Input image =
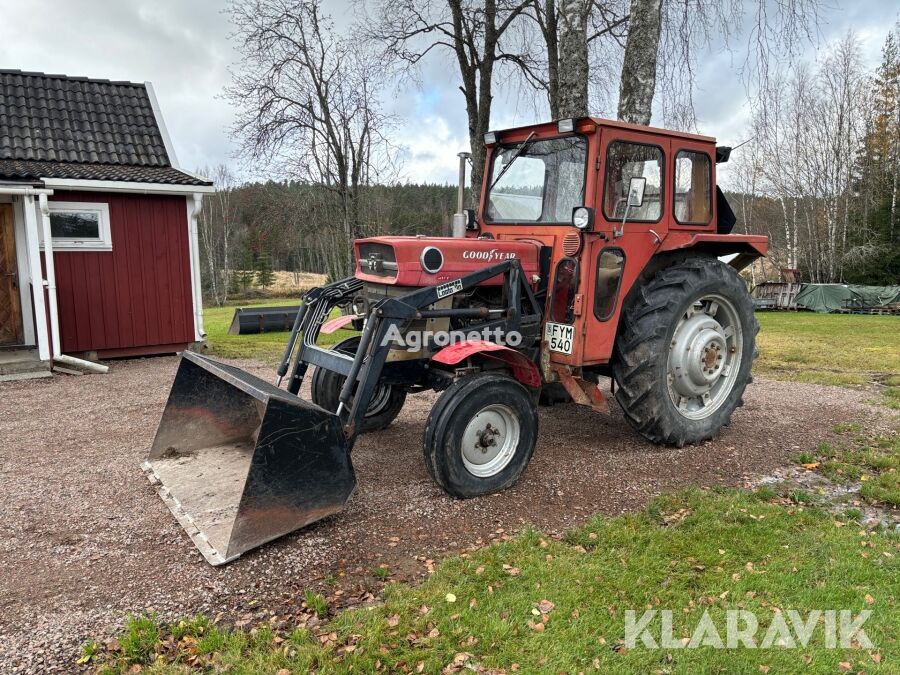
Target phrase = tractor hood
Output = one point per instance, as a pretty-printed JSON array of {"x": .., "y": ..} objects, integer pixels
[{"x": 425, "y": 261}]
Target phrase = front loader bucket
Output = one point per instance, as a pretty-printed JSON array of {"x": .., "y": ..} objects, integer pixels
[{"x": 240, "y": 462}]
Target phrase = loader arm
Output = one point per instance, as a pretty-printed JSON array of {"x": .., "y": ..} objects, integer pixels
[{"x": 522, "y": 314}]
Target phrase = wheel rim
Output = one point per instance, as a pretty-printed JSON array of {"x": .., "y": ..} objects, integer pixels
[
  {"x": 704, "y": 356},
  {"x": 381, "y": 397},
  {"x": 490, "y": 440}
]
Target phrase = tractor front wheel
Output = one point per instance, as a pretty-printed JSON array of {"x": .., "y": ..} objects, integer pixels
[
  {"x": 386, "y": 403},
  {"x": 480, "y": 435},
  {"x": 684, "y": 351}
]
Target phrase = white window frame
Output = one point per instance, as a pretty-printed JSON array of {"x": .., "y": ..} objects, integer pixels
[{"x": 102, "y": 243}]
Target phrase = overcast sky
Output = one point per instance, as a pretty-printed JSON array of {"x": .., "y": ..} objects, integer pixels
[{"x": 183, "y": 48}]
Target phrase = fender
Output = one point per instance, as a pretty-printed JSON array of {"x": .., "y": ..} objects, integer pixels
[
  {"x": 748, "y": 247},
  {"x": 523, "y": 369}
]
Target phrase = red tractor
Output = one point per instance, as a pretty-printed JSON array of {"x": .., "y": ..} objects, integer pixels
[{"x": 596, "y": 253}]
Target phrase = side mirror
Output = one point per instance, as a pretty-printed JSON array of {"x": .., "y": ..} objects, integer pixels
[
  {"x": 471, "y": 220},
  {"x": 583, "y": 218},
  {"x": 636, "y": 187},
  {"x": 636, "y": 191}
]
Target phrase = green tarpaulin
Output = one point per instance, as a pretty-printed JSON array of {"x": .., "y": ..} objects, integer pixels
[{"x": 826, "y": 298}]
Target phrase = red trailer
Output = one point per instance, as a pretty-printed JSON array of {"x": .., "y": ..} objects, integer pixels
[{"x": 88, "y": 172}]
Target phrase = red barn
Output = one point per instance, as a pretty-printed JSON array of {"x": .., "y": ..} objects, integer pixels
[{"x": 98, "y": 231}]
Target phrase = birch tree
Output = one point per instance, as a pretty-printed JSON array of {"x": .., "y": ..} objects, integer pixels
[{"x": 218, "y": 228}]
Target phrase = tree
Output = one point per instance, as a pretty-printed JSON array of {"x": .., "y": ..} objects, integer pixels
[
  {"x": 468, "y": 30},
  {"x": 217, "y": 225},
  {"x": 265, "y": 276},
  {"x": 638, "y": 81},
  {"x": 308, "y": 102},
  {"x": 666, "y": 36}
]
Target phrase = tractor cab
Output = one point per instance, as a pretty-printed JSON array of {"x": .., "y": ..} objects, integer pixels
[{"x": 604, "y": 197}]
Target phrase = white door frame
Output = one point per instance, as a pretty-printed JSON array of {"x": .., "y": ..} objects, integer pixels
[{"x": 22, "y": 267}]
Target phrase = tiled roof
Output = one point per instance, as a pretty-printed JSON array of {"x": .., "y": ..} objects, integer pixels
[
  {"x": 75, "y": 127},
  {"x": 10, "y": 168}
]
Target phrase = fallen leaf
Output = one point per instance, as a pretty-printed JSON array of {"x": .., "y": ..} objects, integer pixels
[
  {"x": 545, "y": 606},
  {"x": 869, "y": 599},
  {"x": 764, "y": 669},
  {"x": 844, "y": 666},
  {"x": 393, "y": 620},
  {"x": 420, "y": 666},
  {"x": 876, "y": 657},
  {"x": 433, "y": 633},
  {"x": 810, "y": 466},
  {"x": 480, "y": 569}
]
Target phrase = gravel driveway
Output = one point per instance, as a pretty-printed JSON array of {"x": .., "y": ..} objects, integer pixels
[{"x": 84, "y": 539}]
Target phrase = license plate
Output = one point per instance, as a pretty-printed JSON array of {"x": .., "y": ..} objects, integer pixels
[{"x": 560, "y": 337}]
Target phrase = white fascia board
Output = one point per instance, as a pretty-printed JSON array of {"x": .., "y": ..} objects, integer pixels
[
  {"x": 161, "y": 123},
  {"x": 125, "y": 186}
]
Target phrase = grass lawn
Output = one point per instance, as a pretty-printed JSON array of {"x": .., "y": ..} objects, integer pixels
[
  {"x": 843, "y": 349},
  {"x": 265, "y": 347},
  {"x": 537, "y": 604}
]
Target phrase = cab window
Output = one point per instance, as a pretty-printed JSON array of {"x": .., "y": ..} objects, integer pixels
[
  {"x": 539, "y": 182},
  {"x": 693, "y": 187},
  {"x": 625, "y": 161}
]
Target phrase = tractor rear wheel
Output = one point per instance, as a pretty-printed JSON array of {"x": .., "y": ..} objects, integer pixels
[
  {"x": 684, "y": 350},
  {"x": 386, "y": 403},
  {"x": 480, "y": 435}
]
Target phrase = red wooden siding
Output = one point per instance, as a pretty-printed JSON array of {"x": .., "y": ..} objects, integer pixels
[{"x": 137, "y": 296}]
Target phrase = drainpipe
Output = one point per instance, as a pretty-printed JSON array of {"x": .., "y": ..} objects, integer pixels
[
  {"x": 51, "y": 293},
  {"x": 33, "y": 248},
  {"x": 196, "y": 288}
]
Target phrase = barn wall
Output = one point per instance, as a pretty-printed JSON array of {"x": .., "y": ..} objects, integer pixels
[{"x": 135, "y": 299}]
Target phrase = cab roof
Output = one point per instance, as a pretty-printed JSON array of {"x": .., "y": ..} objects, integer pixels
[{"x": 582, "y": 122}]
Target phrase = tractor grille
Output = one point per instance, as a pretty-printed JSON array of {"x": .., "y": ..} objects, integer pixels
[
  {"x": 378, "y": 259},
  {"x": 572, "y": 244}
]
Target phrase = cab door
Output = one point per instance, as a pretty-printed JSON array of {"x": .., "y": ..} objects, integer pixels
[{"x": 626, "y": 236}]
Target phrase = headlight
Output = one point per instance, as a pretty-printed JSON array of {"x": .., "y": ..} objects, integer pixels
[
  {"x": 432, "y": 260},
  {"x": 582, "y": 217}
]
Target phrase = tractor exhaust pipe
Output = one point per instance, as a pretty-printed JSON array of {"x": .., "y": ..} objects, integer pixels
[{"x": 460, "y": 219}]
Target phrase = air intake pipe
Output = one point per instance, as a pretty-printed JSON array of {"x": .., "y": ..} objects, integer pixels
[{"x": 460, "y": 219}]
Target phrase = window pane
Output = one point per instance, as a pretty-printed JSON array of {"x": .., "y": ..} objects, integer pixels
[
  {"x": 543, "y": 184},
  {"x": 519, "y": 193},
  {"x": 625, "y": 161},
  {"x": 693, "y": 196},
  {"x": 75, "y": 224},
  {"x": 609, "y": 275},
  {"x": 564, "y": 291}
]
